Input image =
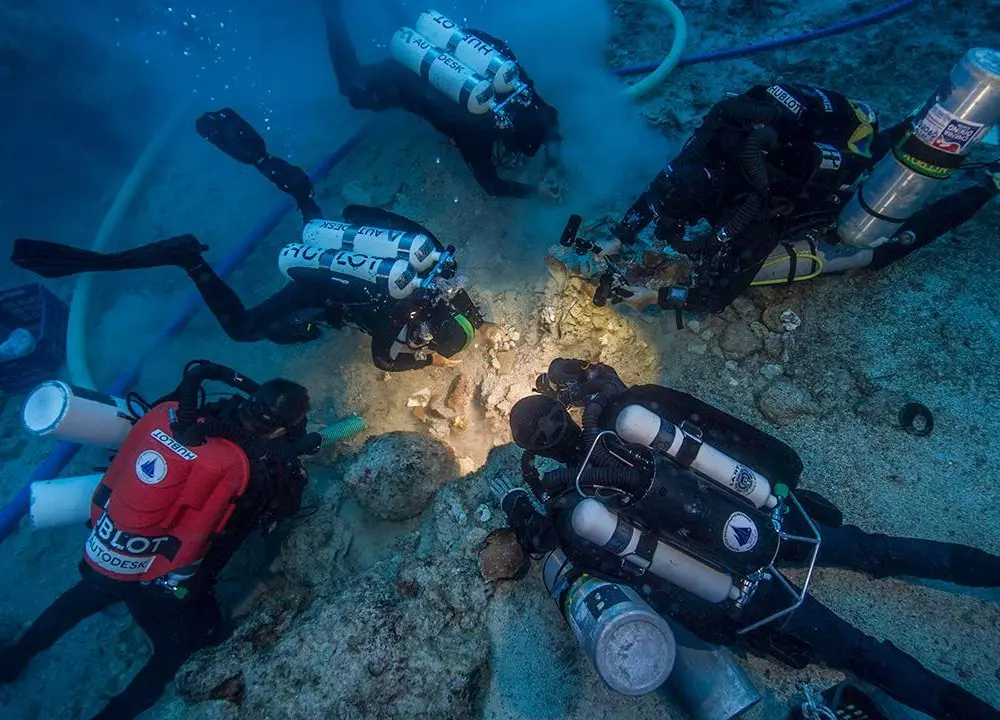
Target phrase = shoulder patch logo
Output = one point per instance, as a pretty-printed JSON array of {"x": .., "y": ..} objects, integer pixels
[
  {"x": 150, "y": 467},
  {"x": 740, "y": 534}
]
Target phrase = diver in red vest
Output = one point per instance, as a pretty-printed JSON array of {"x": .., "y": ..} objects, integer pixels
[{"x": 187, "y": 487}]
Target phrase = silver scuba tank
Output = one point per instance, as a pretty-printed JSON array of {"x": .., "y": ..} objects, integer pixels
[
  {"x": 443, "y": 71},
  {"x": 418, "y": 249},
  {"x": 630, "y": 645},
  {"x": 955, "y": 119},
  {"x": 638, "y": 425},
  {"x": 475, "y": 52},
  {"x": 311, "y": 264},
  {"x": 806, "y": 258}
]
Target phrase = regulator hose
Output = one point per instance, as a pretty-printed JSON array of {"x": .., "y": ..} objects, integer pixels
[{"x": 761, "y": 140}]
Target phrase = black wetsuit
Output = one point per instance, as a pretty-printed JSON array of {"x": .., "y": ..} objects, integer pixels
[
  {"x": 388, "y": 85},
  {"x": 764, "y": 168},
  {"x": 289, "y": 316},
  {"x": 176, "y": 626}
]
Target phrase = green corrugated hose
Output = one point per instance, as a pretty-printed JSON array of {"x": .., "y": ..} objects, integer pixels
[{"x": 343, "y": 429}]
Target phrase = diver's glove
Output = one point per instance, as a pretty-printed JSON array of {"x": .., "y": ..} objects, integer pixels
[{"x": 506, "y": 491}]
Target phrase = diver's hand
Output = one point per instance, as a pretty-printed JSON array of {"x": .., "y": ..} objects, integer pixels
[
  {"x": 609, "y": 247},
  {"x": 641, "y": 297},
  {"x": 504, "y": 489},
  {"x": 549, "y": 189},
  {"x": 442, "y": 361}
]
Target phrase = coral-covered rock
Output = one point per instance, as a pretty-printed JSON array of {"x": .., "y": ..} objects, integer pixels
[{"x": 501, "y": 557}]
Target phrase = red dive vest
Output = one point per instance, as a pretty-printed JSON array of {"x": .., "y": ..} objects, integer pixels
[{"x": 160, "y": 503}]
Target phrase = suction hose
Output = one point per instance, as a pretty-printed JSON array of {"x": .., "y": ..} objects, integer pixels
[
  {"x": 666, "y": 66},
  {"x": 869, "y": 19},
  {"x": 76, "y": 330},
  {"x": 343, "y": 429},
  {"x": 12, "y": 513}
]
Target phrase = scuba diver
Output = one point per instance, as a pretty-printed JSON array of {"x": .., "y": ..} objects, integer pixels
[
  {"x": 668, "y": 507},
  {"x": 381, "y": 273},
  {"x": 797, "y": 181},
  {"x": 465, "y": 83},
  {"x": 188, "y": 485}
]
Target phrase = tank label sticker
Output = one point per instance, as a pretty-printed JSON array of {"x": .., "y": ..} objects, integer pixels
[
  {"x": 150, "y": 467},
  {"x": 740, "y": 534},
  {"x": 126, "y": 553},
  {"x": 743, "y": 480},
  {"x": 174, "y": 446},
  {"x": 945, "y": 131},
  {"x": 785, "y": 98},
  {"x": 598, "y": 598}
]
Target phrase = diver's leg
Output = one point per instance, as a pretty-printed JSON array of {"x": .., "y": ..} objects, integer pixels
[
  {"x": 934, "y": 220},
  {"x": 265, "y": 321},
  {"x": 76, "y": 604},
  {"x": 50, "y": 259},
  {"x": 840, "y": 645},
  {"x": 177, "y": 628},
  {"x": 369, "y": 87},
  {"x": 886, "y": 556}
]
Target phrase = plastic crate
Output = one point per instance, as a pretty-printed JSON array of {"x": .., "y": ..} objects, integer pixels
[{"x": 45, "y": 316}]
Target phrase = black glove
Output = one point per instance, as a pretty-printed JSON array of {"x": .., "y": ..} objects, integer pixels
[
  {"x": 233, "y": 135},
  {"x": 310, "y": 444}
]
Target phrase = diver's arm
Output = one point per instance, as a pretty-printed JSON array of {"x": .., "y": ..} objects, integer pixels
[
  {"x": 477, "y": 156},
  {"x": 535, "y": 532}
]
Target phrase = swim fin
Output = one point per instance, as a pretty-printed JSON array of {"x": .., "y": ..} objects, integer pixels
[
  {"x": 228, "y": 131},
  {"x": 54, "y": 260},
  {"x": 364, "y": 215}
]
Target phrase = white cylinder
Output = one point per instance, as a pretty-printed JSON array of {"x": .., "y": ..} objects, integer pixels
[
  {"x": 418, "y": 249},
  {"x": 831, "y": 259},
  {"x": 308, "y": 263},
  {"x": 594, "y": 522},
  {"x": 636, "y": 424},
  {"x": 455, "y": 79},
  {"x": 74, "y": 414},
  {"x": 62, "y": 501},
  {"x": 483, "y": 57}
]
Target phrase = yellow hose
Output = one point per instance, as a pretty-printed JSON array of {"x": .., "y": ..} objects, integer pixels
[
  {"x": 655, "y": 78},
  {"x": 76, "y": 331},
  {"x": 784, "y": 258}
]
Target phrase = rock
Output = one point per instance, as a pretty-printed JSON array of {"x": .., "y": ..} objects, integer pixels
[
  {"x": 466, "y": 466},
  {"x": 790, "y": 320},
  {"x": 505, "y": 362},
  {"x": 784, "y": 401},
  {"x": 460, "y": 393},
  {"x": 694, "y": 326},
  {"x": 771, "y": 371},
  {"x": 314, "y": 548},
  {"x": 782, "y": 317},
  {"x": 501, "y": 557},
  {"x": 483, "y": 513},
  {"x": 708, "y": 335},
  {"x": 773, "y": 346},
  {"x": 744, "y": 307},
  {"x": 738, "y": 341},
  {"x": 396, "y": 475},
  {"x": 698, "y": 348},
  {"x": 547, "y": 320},
  {"x": 421, "y": 398}
]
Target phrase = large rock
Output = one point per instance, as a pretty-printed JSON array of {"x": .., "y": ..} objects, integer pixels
[
  {"x": 407, "y": 640},
  {"x": 314, "y": 549},
  {"x": 784, "y": 401},
  {"x": 397, "y": 475}
]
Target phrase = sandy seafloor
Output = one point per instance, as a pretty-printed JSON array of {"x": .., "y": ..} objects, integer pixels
[{"x": 926, "y": 330}]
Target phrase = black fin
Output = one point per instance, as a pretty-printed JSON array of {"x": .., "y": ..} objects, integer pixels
[{"x": 53, "y": 260}]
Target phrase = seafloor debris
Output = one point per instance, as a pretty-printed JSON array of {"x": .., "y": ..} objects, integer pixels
[
  {"x": 501, "y": 557},
  {"x": 784, "y": 401}
]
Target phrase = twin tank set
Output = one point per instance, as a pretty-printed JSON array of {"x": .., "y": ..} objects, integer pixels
[{"x": 719, "y": 530}]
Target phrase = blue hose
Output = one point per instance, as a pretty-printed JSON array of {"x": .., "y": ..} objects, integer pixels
[
  {"x": 17, "y": 508},
  {"x": 869, "y": 19}
]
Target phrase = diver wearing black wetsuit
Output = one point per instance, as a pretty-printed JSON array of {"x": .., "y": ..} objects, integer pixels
[
  {"x": 181, "y": 616},
  {"x": 407, "y": 334},
  {"x": 484, "y": 145},
  {"x": 812, "y": 633},
  {"x": 767, "y": 167}
]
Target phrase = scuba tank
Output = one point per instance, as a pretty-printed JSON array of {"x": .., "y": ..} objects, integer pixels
[
  {"x": 62, "y": 501},
  {"x": 444, "y": 72},
  {"x": 74, "y": 414},
  {"x": 309, "y": 263},
  {"x": 418, "y": 249},
  {"x": 807, "y": 258},
  {"x": 647, "y": 553},
  {"x": 638, "y": 425},
  {"x": 475, "y": 52},
  {"x": 952, "y": 122},
  {"x": 630, "y": 645}
]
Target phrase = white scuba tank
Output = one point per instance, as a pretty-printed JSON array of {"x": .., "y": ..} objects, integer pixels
[
  {"x": 443, "y": 71},
  {"x": 308, "y": 263},
  {"x": 805, "y": 259},
  {"x": 62, "y": 501},
  {"x": 595, "y": 523},
  {"x": 475, "y": 52},
  {"x": 74, "y": 414},
  {"x": 636, "y": 424},
  {"x": 418, "y": 249}
]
